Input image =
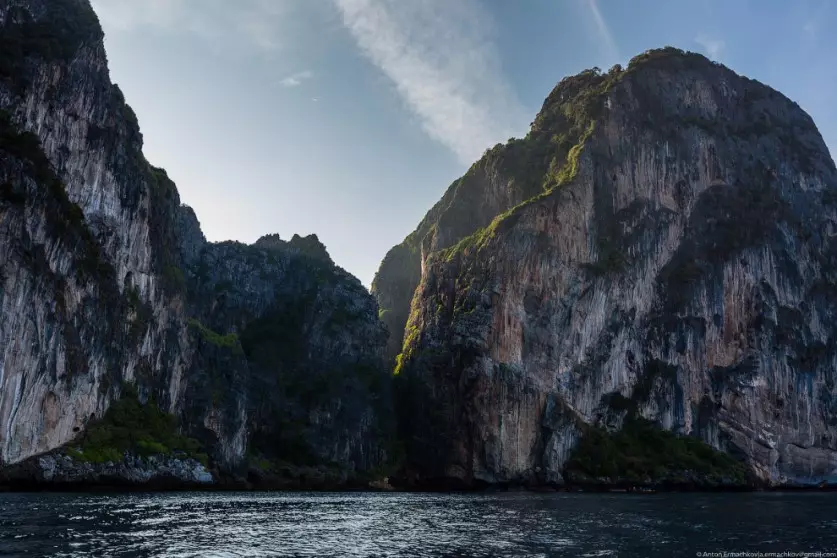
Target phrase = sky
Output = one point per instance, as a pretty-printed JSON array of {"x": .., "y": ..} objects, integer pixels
[{"x": 350, "y": 118}]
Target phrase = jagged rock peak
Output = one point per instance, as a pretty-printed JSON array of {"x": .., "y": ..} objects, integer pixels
[
  {"x": 192, "y": 239},
  {"x": 271, "y": 241},
  {"x": 308, "y": 246}
]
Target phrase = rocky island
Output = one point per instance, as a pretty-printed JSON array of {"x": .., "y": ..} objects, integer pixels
[
  {"x": 657, "y": 253},
  {"x": 640, "y": 292}
]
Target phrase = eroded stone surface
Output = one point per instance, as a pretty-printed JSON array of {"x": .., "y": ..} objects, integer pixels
[
  {"x": 688, "y": 265},
  {"x": 105, "y": 279}
]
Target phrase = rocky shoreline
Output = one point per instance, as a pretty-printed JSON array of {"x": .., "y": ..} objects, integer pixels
[
  {"x": 245, "y": 486},
  {"x": 59, "y": 472}
]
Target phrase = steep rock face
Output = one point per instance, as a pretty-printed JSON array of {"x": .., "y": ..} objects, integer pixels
[
  {"x": 502, "y": 179},
  {"x": 107, "y": 281},
  {"x": 678, "y": 265},
  {"x": 86, "y": 299},
  {"x": 307, "y": 333}
]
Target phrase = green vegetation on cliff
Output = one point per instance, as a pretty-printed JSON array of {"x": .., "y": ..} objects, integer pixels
[
  {"x": 130, "y": 426},
  {"x": 642, "y": 453},
  {"x": 513, "y": 176},
  {"x": 523, "y": 171},
  {"x": 229, "y": 341},
  {"x": 552, "y": 148},
  {"x": 393, "y": 287}
]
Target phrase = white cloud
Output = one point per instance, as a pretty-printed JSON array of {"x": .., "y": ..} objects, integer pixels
[
  {"x": 296, "y": 79},
  {"x": 443, "y": 63},
  {"x": 611, "y": 50},
  {"x": 712, "y": 47}
]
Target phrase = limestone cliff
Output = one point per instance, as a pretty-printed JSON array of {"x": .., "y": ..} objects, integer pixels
[
  {"x": 660, "y": 246},
  {"x": 106, "y": 281},
  {"x": 309, "y": 348}
]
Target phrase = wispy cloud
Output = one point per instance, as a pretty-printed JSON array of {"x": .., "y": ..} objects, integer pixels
[
  {"x": 712, "y": 46},
  {"x": 815, "y": 14},
  {"x": 606, "y": 36},
  {"x": 296, "y": 79},
  {"x": 441, "y": 58}
]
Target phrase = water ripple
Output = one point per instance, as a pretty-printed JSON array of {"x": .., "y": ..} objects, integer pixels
[{"x": 384, "y": 525}]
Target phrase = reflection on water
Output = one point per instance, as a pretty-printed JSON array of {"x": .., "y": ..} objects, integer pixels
[{"x": 359, "y": 524}]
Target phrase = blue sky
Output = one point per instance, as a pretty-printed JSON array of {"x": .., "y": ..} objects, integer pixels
[{"x": 349, "y": 118}]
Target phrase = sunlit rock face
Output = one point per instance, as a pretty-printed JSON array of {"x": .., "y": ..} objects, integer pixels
[
  {"x": 106, "y": 279},
  {"x": 678, "y": 259}
]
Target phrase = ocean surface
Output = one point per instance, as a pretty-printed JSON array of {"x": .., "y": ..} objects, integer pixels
[{"x": 394, "y": 524}]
